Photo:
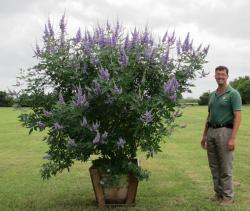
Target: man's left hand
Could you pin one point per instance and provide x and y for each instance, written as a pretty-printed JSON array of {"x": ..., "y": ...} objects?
[{"x": 231, "y": 144}]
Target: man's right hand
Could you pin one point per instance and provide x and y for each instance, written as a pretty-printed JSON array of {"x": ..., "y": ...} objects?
[{"x": 204, "y": 143}]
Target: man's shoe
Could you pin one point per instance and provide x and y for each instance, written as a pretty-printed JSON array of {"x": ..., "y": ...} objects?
[
  {"x": 215, "y": 198},
  {"x": 227, "y": 201}
]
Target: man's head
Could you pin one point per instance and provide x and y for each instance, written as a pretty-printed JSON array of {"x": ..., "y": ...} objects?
[{"x": 221, "y": 75}]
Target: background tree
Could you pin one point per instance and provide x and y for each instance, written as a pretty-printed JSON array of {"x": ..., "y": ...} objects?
[
  {"x": 5, "y": 99},
  {"x": 203, "y": 100},
  {"x": 242, "y": 84}
]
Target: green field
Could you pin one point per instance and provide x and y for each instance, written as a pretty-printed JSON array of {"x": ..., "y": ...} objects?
[{"x": 180, "y": 178}]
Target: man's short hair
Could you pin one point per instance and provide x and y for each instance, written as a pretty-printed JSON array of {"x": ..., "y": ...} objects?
[{"x": 221, "y": 67}]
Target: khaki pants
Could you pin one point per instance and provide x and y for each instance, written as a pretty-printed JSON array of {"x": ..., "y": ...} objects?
[{"x": 220, "y": 160}]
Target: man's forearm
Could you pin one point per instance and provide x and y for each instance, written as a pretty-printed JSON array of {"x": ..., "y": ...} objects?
[
  {"x": 237, "y": 120},
  {"x": 206, "y": 127}
]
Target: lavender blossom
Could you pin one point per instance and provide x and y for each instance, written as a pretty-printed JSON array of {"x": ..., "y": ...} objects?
[
  {"x": 104, "y": 74},
  {"x": 178, "y": 47},
  {"x": 97, "y": 138},
  {"x": 62, "y": 24},
  {"x": 37, "y": 51},
  {"x": 145, "y": 37},
  {"x": 199, "y": 48},
  {"x": 135, "y": 37},
  {"x": 108, "y": 27},
  {"x": 47, "y": 113},
  {"x": 126, "y": 42},
  {"x": 120, "y": 143},
  {"x": 51, "y": 30},
  {"x": 116, "y": 90},
  {"x": 104, "y": 135},
  {"x": 84, "y": 122},
  {"x": 46, "y": 33},
  {"x": 178, "y": 113},
  {"x": 123, "y": 58},
  {"x": 205, "y": 50},
  {"x": 165, "y": 57},
  {"x": 78, "y": 36},
  {"x": 95, "y": 126},
  {"x": 63, "y": 30},
  {"x": 171, "y": 86},
  {"x": 71, "y": 143},
  {"x": 57, "y": 126},
  {"x": 147, "y": 117},
  {"x": 114, "y": 39},
  {"x": 41, "y": 125},
  {"x": 80, "y": 98},
  {"x": 97, "y": 88},
  {"x": 165, "y": 37},
  {"x": 149, "y": 53},
  {"x": 186, "y": 46},
  {"x": 61, "y": 99},
  {"x": 94, "y": 60},
  {"x": 171, "y": 40}
]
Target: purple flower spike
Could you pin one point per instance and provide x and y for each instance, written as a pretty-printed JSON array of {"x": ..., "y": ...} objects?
[
  {"x": 61, "y": 99},
  {"x": 165, "y": 36},
  {"x": 117, "y": 91},
  {"x": 171, "y": 86},
  {"x": 80, "y": 98},
  {"x": 165, "y": 57},
  {"x": 171, "y": 40},
  {"x": 97, "y": 138},
  {"x": 145, "y": 37},
  {"x": 149, "y": 53},
  {"x": 46, "y": 33},
  {"x": 104, "y": 135},
  {"x": 121, "y": 143},
  {"x": 41, "y": 125},
  {"x": 97, "y": 88},
  {"x": 84, "y": 122},
  {"x": 123, "y": 58},
  {"x": 147, "y": 117},
  {"x": 205, "y": 50},
  {"x": 37, "y": 51},
  {"x": 62, "y": 24},
  {"x": 95, "y": 126},
  {"x": 78, "y": 36},
  {"x": 126, "y": 42},
  {"x": 178, "y": 113},
  {"x": 51, "y": 30},
  {"x": 104, "y": 74},
  {"x": 178, "y": 47},
  {"x": 135, "y": 37},
  {"x": 71, "y": 142},
  {"x": 57, "y": 126},
  {"x": 48, "y": 113}
]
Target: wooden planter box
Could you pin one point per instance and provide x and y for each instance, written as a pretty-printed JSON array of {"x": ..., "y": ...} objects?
[{"x": 124, "y": 196}]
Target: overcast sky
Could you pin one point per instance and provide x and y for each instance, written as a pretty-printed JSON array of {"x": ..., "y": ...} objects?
[{"x": 224, "y": 24}]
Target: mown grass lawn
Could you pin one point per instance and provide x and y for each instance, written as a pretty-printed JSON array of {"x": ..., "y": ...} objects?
[{"x": 180, "y": 178}]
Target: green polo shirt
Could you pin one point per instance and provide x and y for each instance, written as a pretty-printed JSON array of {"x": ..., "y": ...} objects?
[{"x": 221, "y": 107}]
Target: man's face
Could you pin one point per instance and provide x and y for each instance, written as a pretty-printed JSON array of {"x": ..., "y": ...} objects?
[{"x": 221, "y": 77}]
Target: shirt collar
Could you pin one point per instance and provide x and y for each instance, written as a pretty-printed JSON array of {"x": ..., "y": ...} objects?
[{"x": 229, "y": 89}]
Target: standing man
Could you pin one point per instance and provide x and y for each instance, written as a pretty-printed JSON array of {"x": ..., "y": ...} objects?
[{"x": 219, "y": 136}]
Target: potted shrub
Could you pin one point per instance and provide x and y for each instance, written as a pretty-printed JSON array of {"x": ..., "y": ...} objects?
[{"x": 107, "y": 93}]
